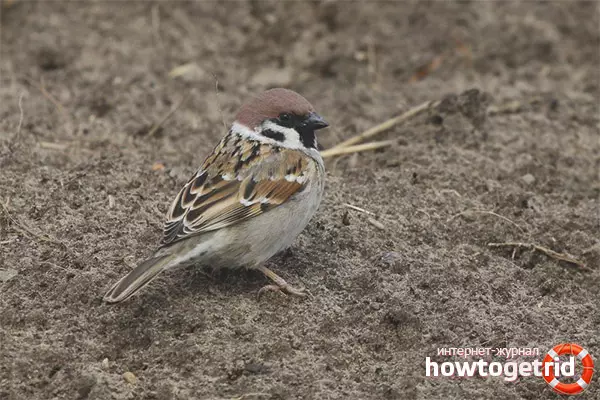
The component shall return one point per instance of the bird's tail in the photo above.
(139, 277)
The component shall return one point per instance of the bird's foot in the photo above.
(280, 285)
(285, 290)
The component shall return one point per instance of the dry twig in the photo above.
(53, 146)
(486, 212)
(512, 106)
(56, 103)
(48, 263)
(425, 70)
(155, 17)
(20, 117)
(157, 126)
(550, 253)
(336, 151)
(219, 101)
(362, 210)
(384, 126)
(376, 223)
(26, 230)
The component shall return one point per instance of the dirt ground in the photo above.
(85, 181)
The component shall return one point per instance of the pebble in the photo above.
(528, 179)
(130, 377)
(376, 223)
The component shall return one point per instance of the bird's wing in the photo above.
(239, 180)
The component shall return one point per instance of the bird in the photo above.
(251, 197)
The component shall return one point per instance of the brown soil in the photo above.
(83, 203)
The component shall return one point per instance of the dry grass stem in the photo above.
(550, 253)
(337, 151)
(26, 230)
(157, 126)
(488, 213)
(362, 210)
(384, 126)
(376, 223)
(53, 146)
(512, 106)
(20, 117)
(509, 107)
(51, 98)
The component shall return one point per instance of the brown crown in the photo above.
(271, 104)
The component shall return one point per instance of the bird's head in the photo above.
(281, 117)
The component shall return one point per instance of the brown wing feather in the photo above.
(238, 181)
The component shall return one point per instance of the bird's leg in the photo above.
(279, 286)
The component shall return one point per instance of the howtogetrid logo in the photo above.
(551, 369)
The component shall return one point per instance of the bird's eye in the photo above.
(285, 117)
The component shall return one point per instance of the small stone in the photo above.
(7, 274)
(528, 179)
(376, 223)
(360, 56)
(190, 72)
(130, 377)
(270, 18)
(104, 364)
(436, 119)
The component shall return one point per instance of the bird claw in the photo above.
(285, 290)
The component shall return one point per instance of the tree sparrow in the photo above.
(251, 197)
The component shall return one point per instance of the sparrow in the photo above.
(252, 196)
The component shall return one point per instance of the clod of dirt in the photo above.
(399, 317)
(99, 106)
(85, 386)
(473, 104)
(436, 119)
(470, 106)
(256, 368)
(346, 218)
(394, 262)
(50, 59)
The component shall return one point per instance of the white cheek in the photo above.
(291, 141)
(248, 133)
(292, 137)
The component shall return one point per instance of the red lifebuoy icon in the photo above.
(586, 376)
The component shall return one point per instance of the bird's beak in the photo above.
(315, 121)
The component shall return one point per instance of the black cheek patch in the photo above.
(278, 136)
(307, 136)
